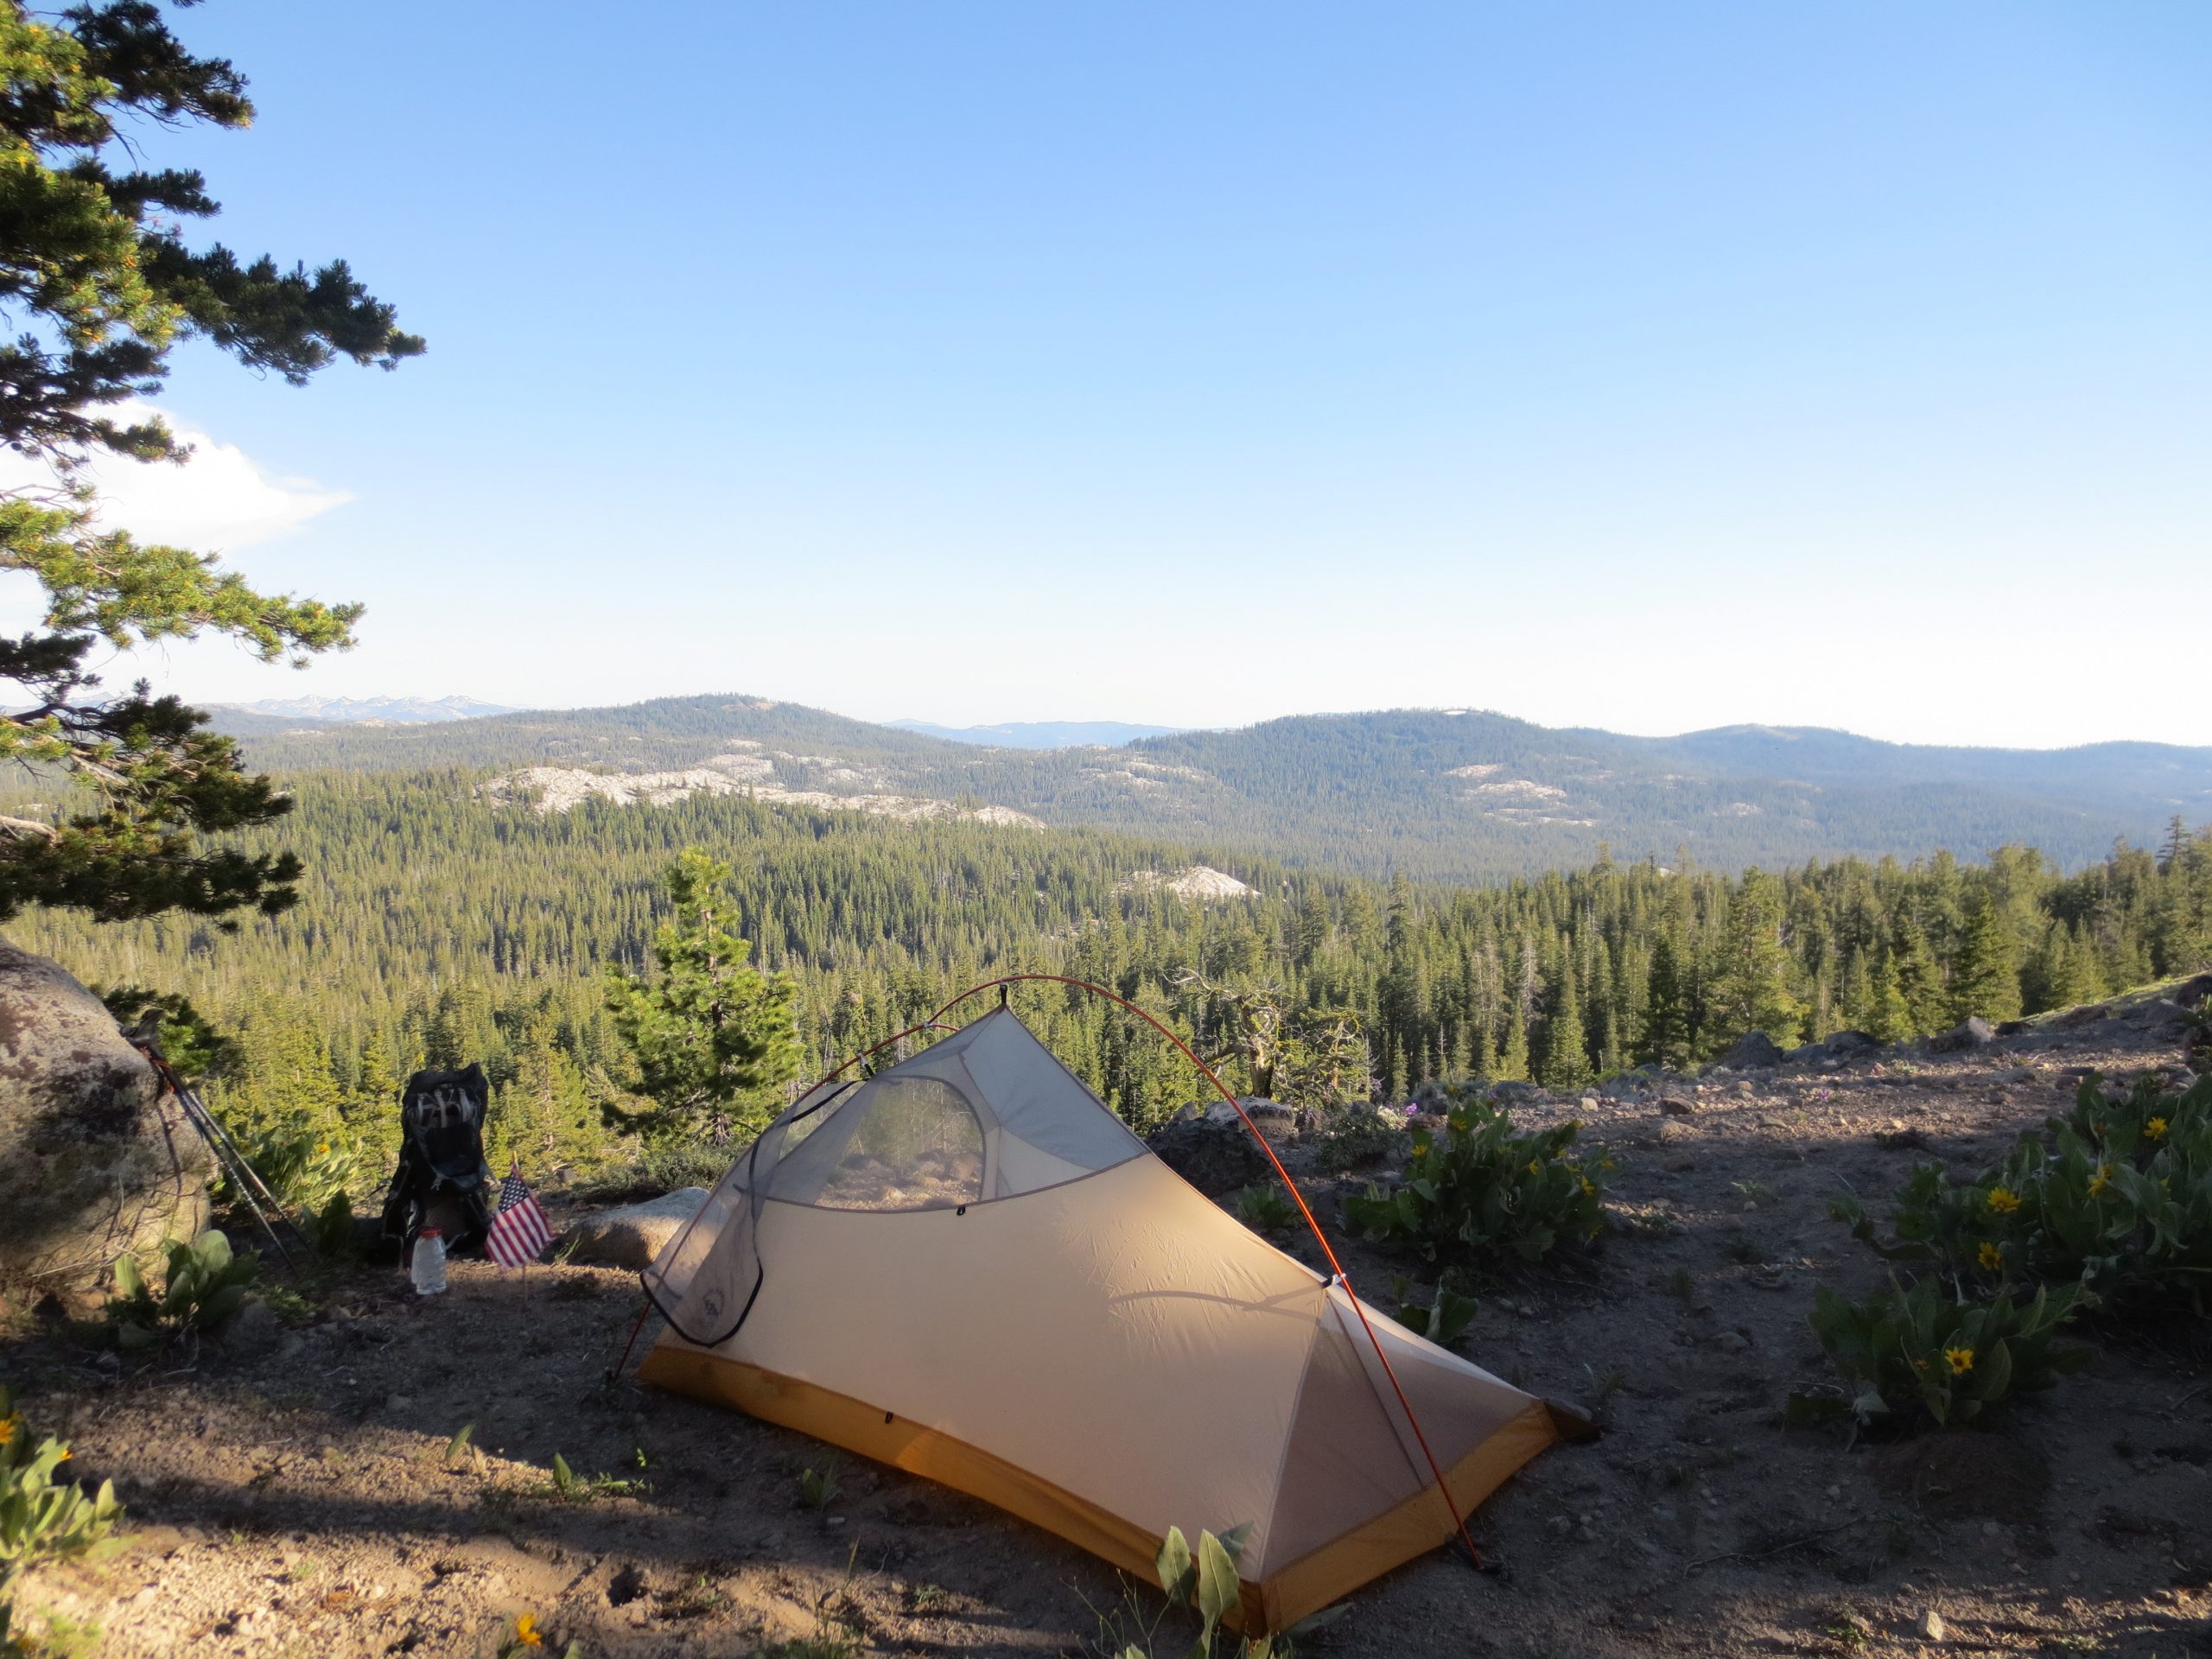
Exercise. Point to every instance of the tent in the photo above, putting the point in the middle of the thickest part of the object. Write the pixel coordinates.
(968, 1267)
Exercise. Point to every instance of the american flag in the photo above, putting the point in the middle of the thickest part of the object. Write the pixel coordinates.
(518, 1231)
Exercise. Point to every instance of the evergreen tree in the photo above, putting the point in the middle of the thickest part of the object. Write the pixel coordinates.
(1751, 991)
(1664, 1038)
(98, 286)
(1513, 1061)
(1984, 980)
(710, 1035)
(1567, 1045)
(1919, 982)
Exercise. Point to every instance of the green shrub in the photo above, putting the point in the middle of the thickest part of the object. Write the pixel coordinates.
(1443, 1317)
(304, 1167)
(206, 1286)
(1361, 1134)
(1910, 1355)
(43, 1519)
(1474, 1185)
(658, 1170)
(2116, 1197)
(1265, 1209)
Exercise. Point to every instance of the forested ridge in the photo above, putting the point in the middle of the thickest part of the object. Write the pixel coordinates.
(436, 926)
(1448, 795)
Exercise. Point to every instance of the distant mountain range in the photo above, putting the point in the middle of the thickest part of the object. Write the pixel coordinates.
(349, 711)
(1462, 794)
(1040, 734)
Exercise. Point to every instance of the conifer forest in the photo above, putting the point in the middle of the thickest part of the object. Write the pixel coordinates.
(435, 927)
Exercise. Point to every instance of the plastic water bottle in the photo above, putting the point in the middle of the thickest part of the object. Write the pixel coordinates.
(428, 1264)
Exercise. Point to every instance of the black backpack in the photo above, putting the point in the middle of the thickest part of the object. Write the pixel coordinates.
(443, 1180)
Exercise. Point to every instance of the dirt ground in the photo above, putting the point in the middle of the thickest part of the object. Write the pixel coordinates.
(292, 1493)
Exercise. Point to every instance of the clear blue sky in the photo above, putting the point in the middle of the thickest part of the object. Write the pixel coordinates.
(1645, 367)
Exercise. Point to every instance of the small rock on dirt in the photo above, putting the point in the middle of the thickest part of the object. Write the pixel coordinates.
(633, 1235)
(1932, 1627)
(1676, 1106)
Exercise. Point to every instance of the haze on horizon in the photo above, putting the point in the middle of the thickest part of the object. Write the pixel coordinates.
(1652, 371)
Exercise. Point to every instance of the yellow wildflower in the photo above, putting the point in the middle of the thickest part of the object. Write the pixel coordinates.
(1589, 1185)
(526, 1631)
(2004, 1200)
(2156, 1129)
(8, 1429)
(1990, 1256)
(1532, 1169)
(322, 1149)
(1960, 1359)
(2101, 1183)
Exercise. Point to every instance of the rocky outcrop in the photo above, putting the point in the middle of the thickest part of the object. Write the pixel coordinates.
(1214, 1156)
(632, 1236)
(1973, 1031)
(1752, 1051)
(95, 1158)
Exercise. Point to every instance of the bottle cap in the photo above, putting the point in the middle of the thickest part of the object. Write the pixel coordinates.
(429, 1232)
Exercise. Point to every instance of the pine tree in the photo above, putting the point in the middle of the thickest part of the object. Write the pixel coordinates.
(1513, 1062)
(1984, 980)
(1886, 1014)
(100, 288)
(1664, 1038)
(1567, 1045)
(1751, 991)
(708, 1035)
(1920, 984)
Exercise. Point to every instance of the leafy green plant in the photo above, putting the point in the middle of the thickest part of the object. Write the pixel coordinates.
(1912, 1354)
(305, 1167)
(568, 1485)
(1203, 1581)
(43, 1518)
(1357, 1135)
(331, 1230)
(524, 1640)
(206, 1285)
(819, 1488)
(1472, 1184)
(1443, 1319)
(2116, 1196)
(1264, 1208)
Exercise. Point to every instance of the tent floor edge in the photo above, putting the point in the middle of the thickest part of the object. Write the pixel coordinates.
(1300, 1588)
(1285, 1595)
(858, 1426)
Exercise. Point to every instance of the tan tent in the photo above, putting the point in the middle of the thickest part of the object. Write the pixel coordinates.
(968, 1267)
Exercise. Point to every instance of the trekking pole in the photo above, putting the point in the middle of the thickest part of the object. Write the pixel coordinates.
(228, 1157)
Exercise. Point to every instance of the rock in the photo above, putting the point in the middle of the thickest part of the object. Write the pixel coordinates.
(1271, 1117)
(95, 1158)
(1516, 1093)
(1753, 1050)
(1676, 1106)
(253, 1329)
(633, 1235)
(1214, 1157)
(1973, 1031)
(1932, 1628)
(2158, 1011)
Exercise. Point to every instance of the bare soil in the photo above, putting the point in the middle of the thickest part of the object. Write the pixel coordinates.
(291, 1491)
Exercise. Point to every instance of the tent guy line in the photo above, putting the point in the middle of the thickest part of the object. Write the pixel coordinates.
(1336, 1268)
